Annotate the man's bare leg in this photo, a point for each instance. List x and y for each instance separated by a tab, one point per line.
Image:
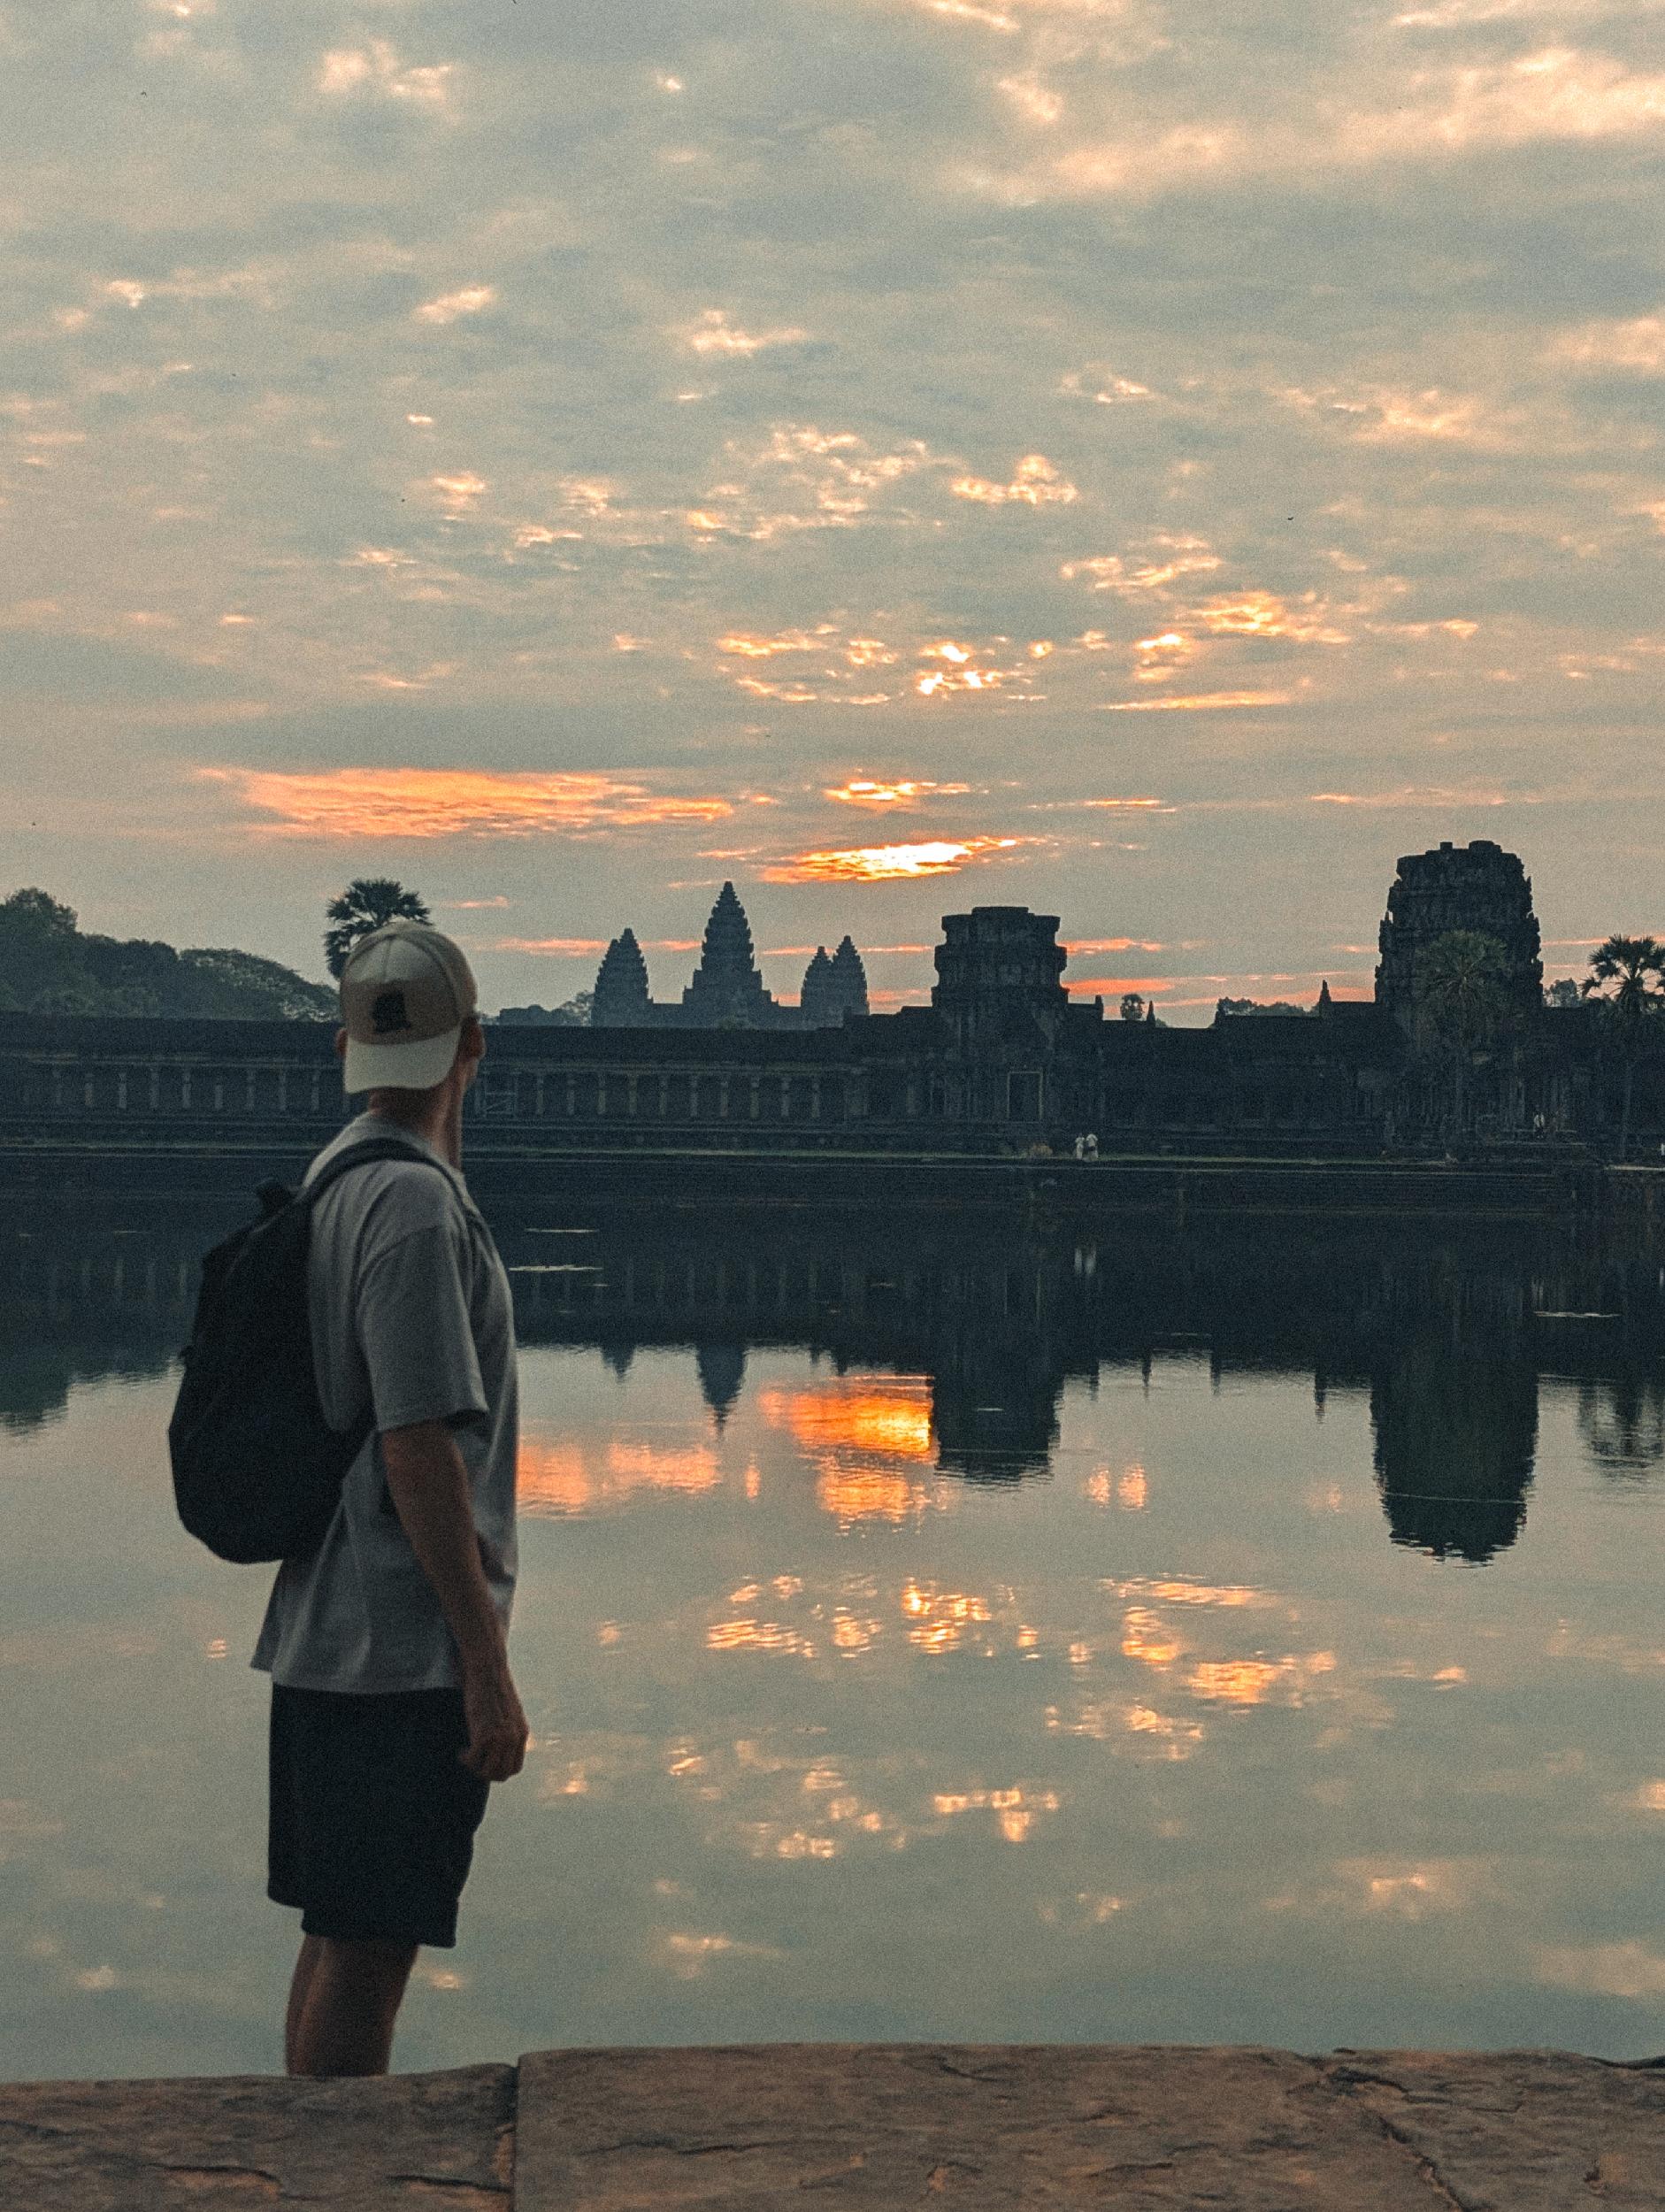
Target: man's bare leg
345	2020
305	1966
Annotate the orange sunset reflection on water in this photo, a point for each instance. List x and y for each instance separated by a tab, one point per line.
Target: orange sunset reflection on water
888	1416
558	1478
853	1432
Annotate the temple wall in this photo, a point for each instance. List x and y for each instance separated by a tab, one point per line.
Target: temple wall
897	1079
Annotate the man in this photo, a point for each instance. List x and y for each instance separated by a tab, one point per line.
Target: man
393	1706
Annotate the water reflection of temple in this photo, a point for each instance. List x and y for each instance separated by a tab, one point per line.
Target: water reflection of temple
1446	1334
1454	1407
985	1323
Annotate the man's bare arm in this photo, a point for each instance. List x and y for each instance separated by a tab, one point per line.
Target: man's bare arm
431	1494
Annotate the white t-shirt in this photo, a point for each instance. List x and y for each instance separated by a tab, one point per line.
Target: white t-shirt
412	1316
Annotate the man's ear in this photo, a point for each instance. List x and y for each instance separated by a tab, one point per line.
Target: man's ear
472	1045
341	1044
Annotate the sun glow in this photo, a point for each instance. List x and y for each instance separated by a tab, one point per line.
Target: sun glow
893	1421
868	791
877	863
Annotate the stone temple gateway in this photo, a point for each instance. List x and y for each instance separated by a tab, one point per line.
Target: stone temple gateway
1001	1061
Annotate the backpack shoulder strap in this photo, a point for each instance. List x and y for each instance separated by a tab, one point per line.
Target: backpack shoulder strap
373	1148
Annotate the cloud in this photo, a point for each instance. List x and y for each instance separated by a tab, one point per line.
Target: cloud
1036	482
1257	614
433	803
711	332
528	417
1111	806
835	480
1103	386
375	71
1165	560
559	948
1114	986
867	791
472	299
1638	343
1627	1970
1126	148
880	864
1428	795
1198	703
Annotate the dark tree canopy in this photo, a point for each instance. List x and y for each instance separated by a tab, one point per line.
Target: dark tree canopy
48	966
368	902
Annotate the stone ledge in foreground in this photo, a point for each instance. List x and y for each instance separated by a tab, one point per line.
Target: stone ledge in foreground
441	2142
757	2127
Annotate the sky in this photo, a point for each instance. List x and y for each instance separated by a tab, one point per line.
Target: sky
1151	461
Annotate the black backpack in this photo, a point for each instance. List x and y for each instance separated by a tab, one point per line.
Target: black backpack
258	1470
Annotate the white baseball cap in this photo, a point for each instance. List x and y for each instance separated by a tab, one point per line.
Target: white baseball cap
406	991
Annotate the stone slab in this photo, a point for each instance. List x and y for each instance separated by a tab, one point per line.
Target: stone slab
754	2128
439	2142
1520	2130
968	2127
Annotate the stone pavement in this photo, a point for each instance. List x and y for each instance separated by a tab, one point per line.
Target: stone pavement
1045	2127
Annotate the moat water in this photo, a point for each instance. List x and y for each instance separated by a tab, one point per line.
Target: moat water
976	1630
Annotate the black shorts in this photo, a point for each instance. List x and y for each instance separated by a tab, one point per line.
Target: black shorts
372	1812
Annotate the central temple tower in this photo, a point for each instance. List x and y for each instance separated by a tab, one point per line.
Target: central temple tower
727	987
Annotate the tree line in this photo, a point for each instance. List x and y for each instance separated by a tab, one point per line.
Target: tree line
48	964
1464	1013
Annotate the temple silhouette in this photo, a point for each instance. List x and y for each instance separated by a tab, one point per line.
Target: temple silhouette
1002	1061
727	991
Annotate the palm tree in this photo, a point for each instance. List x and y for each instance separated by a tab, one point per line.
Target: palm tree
368	902
1462	1002
1625	973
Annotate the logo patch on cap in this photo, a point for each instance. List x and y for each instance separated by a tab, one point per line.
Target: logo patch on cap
387	1014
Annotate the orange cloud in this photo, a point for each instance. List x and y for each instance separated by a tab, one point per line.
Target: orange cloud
877	863
867	791
424	802
563	947
1198	702
1171	558
1415	795
1263	614
1036	482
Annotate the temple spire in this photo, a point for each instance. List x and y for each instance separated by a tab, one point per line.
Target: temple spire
621	1000
726	987
850	981
816	997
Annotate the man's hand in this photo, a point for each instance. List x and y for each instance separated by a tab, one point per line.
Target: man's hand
497	1730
